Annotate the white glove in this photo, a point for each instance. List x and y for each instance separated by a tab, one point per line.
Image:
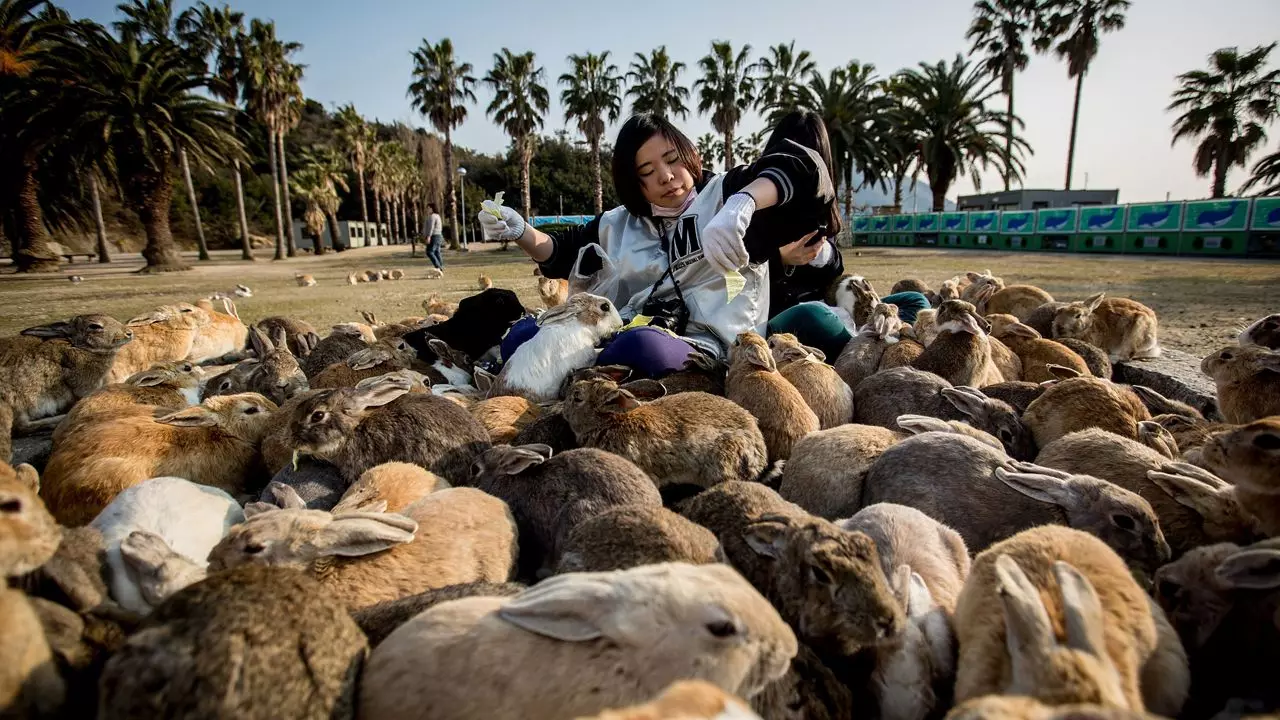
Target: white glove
722	244
510	227
825	256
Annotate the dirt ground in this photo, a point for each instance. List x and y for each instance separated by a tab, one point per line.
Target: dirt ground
1202	303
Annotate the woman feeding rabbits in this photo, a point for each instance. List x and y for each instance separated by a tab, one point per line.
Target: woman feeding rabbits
676	258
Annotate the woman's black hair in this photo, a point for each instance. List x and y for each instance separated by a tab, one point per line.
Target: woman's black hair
635	132
432	207
807	129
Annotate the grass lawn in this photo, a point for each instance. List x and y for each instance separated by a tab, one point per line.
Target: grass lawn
1201	302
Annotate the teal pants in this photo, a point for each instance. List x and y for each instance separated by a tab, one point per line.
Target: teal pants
816	326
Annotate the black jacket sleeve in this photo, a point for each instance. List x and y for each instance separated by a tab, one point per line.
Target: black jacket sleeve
790	285
798	173
566	244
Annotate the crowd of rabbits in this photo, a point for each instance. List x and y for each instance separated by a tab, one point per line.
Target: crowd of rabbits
960	517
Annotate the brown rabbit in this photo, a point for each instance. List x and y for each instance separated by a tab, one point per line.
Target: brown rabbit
358	428
688	438
1035	352
981	285
167	333
304	280
755	383
1248	380
300	336
436	305
862	355
168	385
1249	458
224	335
962	352
1041	318
915	285
485	282
1005	359
1263	333
1016	300
40	378
387	355
819	384
554	291
1081	403
275	373
505	416
1125	328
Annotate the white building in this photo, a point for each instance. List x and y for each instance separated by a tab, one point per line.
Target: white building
352	233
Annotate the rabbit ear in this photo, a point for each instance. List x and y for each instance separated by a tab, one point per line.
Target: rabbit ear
365	359
704	362
356	534
616	373
1155	436
390	388
1062	372
52	330
1092	302
646	389
484	380
1028	632
307	342
148	379
441	349
280	340
261	344
756	355
919	599
194	416
1081	610
28	477
619	401
567	607
1023	330
815	352
150	318
1160	405
285	496
558	314
257	508
967	400
369	318
767	537
1270	361
1205	499
919	424
145	551
1253	569
973	277
1045	488
518	459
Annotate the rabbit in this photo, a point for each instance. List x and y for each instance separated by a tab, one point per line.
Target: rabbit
1081	403
861	357
627	536
193	659
882	397
1041	319
827	468
1016	300
902	354
225	334
951	289
343	341
855	296
685	700
392	486
277	374
986	497
167	385
995	417
386	356
1125	329
1264	332
41	379
818	383
1093	356
167	333
551	494
372	276
915	285
316	484
381	619
565	341
395	274
701	373
687	438
1249	458
299	335
435	305
433	274
1036	353
505	416
358	428
354	278
243	291
1018	395
913	678
304	280
1006	361
1248	381
755	383
485	282
906	537
961	354
553	291
926	326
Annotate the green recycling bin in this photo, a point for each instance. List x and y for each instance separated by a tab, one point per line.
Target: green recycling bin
1018	230
1154	228
1215	227
984	228
1100	230
1055	228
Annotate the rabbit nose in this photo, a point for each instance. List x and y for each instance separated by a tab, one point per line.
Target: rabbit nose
886	628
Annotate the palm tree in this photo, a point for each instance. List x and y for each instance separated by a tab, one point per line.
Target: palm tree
709	148
999	31
264	85
593	93
379	179
726	90
1266	174
946	107
782	72
216	33
1076	27
354	137
141	103
519	100
655	85
29	34
1228	107
440	90
898	144
291	115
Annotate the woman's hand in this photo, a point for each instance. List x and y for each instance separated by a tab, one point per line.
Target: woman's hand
797	254
509	227
722	238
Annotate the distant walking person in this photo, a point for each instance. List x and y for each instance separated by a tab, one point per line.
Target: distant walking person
435	233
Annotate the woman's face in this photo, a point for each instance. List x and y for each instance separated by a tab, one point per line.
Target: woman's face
665	180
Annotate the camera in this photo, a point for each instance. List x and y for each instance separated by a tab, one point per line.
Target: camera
669	314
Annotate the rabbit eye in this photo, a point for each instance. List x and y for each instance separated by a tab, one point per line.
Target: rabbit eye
1005	436
819	576
1267	442
252	410
11	507
1124	522
604	307
722	628
1226	356
319	416
186	368
96	327
224	385
254	548
477	469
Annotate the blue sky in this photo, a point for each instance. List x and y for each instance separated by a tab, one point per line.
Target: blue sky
359	52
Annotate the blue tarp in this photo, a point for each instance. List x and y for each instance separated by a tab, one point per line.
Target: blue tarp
541	220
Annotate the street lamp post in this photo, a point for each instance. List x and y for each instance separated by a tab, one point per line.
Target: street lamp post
462	180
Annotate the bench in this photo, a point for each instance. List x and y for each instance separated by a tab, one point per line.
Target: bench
71	257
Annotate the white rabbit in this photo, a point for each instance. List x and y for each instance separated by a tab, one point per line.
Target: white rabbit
566	341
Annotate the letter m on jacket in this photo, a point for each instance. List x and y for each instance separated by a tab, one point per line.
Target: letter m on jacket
684	238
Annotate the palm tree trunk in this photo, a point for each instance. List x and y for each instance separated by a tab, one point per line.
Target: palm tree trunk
1008	140
940	196
195	208
1220	167
246	247
377	218
152	205
1075	118
404	220
526	157
275	190
104	254
334	236
397	232
413	231
35	256
364	204
450	234
595	166
288	206
728	149
898	180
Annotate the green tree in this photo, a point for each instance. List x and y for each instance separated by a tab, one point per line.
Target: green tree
897	144
141	102
592	95
655	85
354	137
999	32
29	36
316	184
1073	29
215	34
727	89
782	72
710	148
1228	107
946	107
519	100
1266	176
268	84
440	90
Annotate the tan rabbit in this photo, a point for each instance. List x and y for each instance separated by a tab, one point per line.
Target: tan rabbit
1125	329
304	280
1081	403
981	285
861	357
1248	380
1016	300
1249	458
553	291
819	384
434	274
902	354
168	385
505	416
952	288
962	352
1006	360
224	335
354	278
755	383
168	333
394	274
485	282
1036	353
436	305
926	326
